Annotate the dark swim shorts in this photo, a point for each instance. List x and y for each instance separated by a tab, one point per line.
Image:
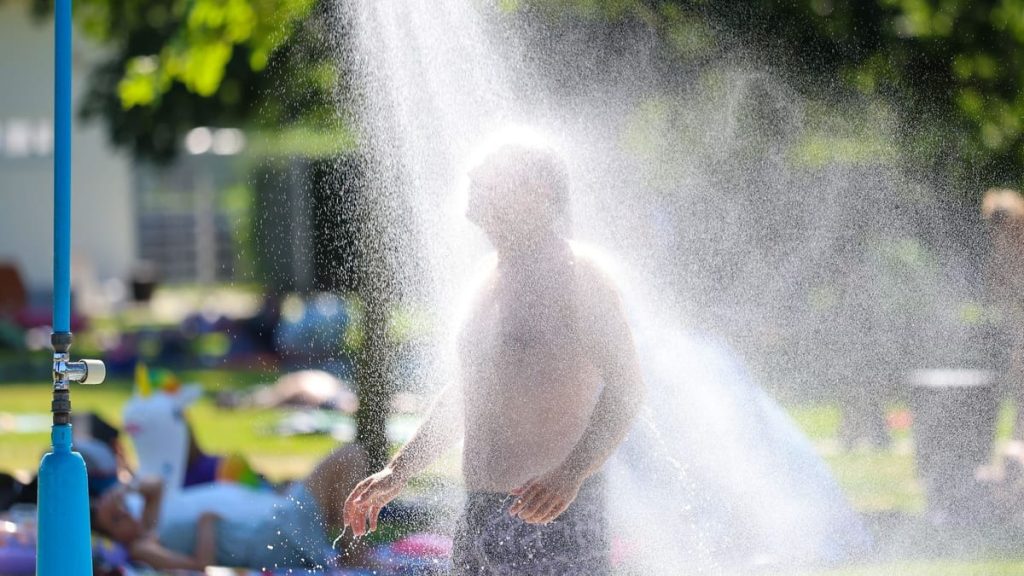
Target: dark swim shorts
492	543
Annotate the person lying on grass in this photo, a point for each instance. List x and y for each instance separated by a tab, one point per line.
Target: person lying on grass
225	524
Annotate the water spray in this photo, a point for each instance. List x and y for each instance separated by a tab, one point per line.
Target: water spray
64	545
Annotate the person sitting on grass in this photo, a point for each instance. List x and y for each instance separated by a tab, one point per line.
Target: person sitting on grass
224	524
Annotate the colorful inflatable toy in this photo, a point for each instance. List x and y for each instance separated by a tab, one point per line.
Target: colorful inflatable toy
156	423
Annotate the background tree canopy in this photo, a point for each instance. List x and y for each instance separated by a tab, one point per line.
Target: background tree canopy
954	67
175	65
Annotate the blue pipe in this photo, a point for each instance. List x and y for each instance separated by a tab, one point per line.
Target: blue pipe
64	543
62	170
64	539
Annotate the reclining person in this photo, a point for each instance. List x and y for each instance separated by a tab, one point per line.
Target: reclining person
228	524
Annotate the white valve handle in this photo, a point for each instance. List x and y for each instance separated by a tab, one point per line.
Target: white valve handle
95	372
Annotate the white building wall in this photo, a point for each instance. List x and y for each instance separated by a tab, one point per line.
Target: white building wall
103	238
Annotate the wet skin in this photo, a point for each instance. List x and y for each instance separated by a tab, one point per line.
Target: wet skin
549	380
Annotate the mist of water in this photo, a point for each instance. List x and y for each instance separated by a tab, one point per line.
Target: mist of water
728	232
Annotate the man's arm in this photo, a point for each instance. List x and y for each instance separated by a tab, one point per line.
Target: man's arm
443	425
613	352
441	428
616	408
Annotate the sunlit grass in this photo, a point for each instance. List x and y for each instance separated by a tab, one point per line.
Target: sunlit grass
247	432
935	568
879	481
875	481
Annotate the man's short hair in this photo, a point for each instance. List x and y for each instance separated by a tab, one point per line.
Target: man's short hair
533	170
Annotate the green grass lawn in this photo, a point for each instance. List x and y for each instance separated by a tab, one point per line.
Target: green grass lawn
943	568
248	432
874	481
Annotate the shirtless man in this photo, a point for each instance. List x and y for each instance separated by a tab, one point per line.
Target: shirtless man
549	385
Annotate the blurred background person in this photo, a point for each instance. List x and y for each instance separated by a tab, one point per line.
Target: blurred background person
1003	209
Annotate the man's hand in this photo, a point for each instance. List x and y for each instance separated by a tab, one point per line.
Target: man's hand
364	503
544	498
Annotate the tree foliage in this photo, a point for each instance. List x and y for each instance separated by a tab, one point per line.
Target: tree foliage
954	67
171	66
954	64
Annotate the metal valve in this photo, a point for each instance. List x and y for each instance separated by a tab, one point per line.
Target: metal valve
86	371
81	371
65	372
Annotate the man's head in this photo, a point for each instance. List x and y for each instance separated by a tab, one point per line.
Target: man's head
518	193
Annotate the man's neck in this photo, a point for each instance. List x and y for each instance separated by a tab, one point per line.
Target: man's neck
541	250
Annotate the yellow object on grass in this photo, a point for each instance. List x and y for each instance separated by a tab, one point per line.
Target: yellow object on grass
235	468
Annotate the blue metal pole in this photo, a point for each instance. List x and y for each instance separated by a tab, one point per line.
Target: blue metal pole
64	543
62	170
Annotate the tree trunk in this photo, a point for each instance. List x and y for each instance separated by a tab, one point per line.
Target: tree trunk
373	371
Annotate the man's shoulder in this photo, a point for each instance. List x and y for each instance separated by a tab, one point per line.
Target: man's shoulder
595	269
483	278
597	288
478	291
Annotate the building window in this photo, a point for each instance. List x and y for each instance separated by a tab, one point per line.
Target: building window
25	138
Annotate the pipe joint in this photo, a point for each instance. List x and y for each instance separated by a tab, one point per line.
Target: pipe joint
66	371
